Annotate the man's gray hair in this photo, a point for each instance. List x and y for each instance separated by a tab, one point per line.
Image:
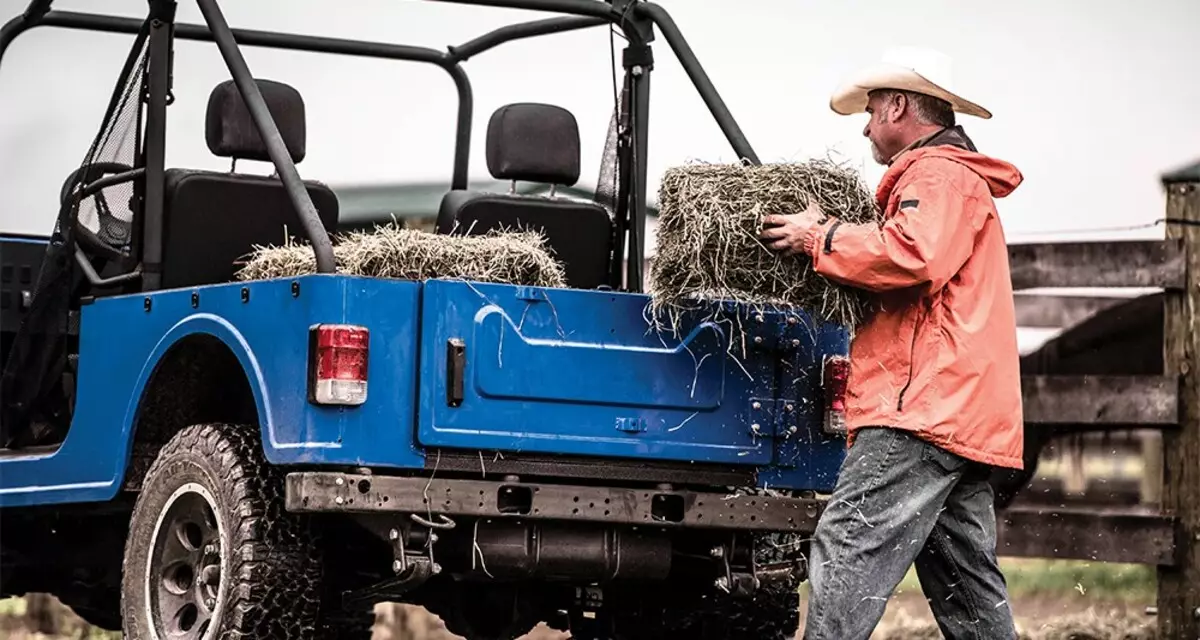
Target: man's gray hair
928	109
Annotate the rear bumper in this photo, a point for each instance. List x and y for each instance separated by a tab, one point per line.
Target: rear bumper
331	492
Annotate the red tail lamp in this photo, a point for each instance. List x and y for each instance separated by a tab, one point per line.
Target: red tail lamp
337	364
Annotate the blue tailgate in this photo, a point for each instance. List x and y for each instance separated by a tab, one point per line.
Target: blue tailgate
584	373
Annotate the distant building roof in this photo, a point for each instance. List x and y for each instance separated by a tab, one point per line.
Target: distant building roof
370	203
1189	173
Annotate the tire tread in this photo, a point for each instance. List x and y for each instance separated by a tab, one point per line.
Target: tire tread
277	571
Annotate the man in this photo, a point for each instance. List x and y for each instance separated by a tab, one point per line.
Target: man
934	396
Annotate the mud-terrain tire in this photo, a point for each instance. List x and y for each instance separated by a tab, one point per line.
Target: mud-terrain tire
211	547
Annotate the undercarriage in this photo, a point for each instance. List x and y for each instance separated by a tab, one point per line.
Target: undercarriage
602	561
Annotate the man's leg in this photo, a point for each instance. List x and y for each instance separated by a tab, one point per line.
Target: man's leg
888	495
958	569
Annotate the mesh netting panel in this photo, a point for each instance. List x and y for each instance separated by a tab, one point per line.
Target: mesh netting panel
37	405
108	215
606	183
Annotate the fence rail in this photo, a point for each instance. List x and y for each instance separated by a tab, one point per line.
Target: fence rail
1093	402
1168	535
1077	534
1042	311
1122	263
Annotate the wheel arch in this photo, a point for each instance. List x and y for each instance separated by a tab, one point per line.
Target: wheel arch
202	370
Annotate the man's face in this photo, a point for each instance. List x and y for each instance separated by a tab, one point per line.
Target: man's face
883	128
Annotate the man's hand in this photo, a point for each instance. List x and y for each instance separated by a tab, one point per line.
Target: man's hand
786	233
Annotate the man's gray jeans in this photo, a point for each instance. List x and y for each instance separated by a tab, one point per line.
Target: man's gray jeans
900	500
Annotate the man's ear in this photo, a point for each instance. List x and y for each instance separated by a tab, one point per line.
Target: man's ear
898	107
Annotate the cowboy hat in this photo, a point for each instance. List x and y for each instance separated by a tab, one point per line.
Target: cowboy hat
916	69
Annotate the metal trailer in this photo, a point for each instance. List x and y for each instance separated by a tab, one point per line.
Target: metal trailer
189	455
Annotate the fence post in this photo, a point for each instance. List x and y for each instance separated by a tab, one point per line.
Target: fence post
1179	586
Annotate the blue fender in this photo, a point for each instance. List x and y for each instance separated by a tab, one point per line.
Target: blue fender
205	324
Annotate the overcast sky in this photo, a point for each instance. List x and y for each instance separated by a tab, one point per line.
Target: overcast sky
1093	99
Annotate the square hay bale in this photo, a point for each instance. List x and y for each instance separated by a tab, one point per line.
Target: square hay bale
519	258
710	217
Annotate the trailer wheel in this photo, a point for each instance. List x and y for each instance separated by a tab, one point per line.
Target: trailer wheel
211	552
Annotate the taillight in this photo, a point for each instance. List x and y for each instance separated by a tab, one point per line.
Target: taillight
835	374
337	364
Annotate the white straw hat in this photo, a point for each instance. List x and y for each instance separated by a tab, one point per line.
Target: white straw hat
917	69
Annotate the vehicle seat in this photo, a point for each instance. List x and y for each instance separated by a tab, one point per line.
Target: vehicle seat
212	220
537	143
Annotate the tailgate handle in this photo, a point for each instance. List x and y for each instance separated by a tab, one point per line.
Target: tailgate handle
456	363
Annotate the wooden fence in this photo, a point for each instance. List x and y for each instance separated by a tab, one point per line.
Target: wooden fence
1091	399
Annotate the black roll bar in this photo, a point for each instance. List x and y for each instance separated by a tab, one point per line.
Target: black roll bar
149	225
512	32
276	147
292	42
583	14
708	92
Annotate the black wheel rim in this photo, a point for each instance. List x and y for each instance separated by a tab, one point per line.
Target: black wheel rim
183	577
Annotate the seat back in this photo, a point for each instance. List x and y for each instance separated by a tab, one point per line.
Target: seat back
537	143
212	220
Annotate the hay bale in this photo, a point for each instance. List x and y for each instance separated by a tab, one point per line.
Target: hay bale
393	252
710	217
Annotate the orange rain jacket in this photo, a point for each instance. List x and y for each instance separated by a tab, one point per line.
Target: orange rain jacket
939	356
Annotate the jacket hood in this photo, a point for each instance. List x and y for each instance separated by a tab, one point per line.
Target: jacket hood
1001	177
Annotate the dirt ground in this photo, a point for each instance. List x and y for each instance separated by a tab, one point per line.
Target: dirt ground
1056	617
1064	617
1044	617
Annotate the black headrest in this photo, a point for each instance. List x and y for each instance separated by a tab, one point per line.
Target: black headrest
230	131
535	143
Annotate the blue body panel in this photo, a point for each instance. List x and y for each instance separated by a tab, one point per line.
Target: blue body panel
547	370
582	373
120	343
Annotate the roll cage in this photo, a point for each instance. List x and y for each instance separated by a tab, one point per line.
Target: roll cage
635	18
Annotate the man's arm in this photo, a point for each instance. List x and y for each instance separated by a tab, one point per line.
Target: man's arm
925	243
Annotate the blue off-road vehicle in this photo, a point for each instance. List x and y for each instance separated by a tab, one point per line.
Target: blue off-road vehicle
187	455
